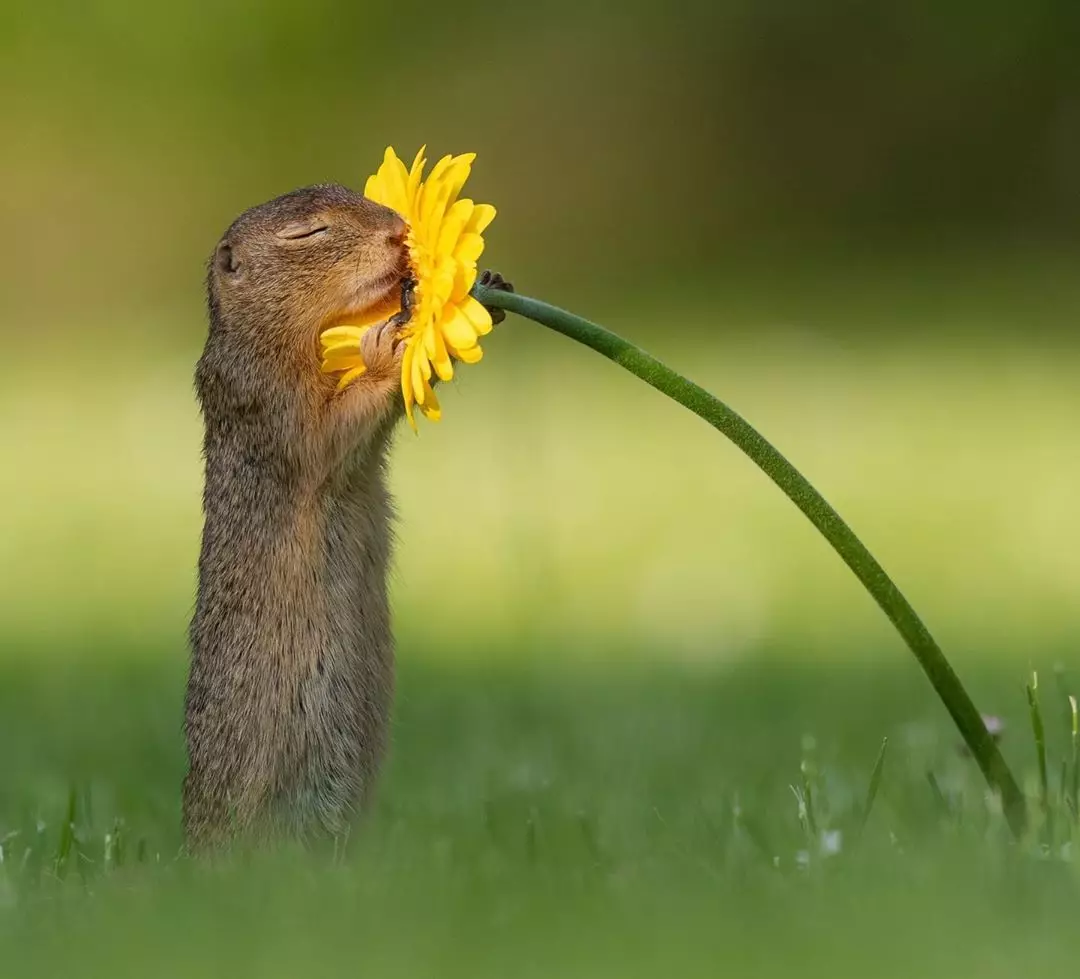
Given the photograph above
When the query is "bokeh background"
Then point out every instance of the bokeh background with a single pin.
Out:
(855, 222)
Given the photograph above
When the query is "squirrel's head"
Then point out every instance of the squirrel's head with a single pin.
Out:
(289, 268)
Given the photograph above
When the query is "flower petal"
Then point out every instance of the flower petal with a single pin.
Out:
(331, 365)
(338, 343)
(477, 314)
(458, 173)
(459, 331)
(430, 405)
(482, 216)
(391, 186)
(349, 376)
(406, 383)
(417, 376)
(434, 189)
(453, 180)
(373, 188)
(438, 171)
(442, 282)
(412, 184)
(339, 334)
(464, 280)
(469, 248)
(469, 355)
(341, 349)
(453, 224)
(441, 358)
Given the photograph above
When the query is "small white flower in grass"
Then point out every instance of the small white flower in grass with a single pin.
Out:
(832, 842)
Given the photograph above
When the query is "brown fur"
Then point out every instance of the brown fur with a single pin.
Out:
(292, 655)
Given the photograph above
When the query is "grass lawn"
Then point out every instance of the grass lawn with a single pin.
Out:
(548, 821)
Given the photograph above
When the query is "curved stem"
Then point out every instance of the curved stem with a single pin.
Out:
(813, 505)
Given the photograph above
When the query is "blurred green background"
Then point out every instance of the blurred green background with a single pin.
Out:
(856, 223)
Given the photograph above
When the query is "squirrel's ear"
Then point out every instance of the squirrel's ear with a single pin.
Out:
(225, 260)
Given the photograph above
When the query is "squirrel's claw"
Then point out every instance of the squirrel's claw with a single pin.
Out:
(492, 280)
(379, 346)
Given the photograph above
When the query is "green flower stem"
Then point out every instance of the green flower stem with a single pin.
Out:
(813, 505)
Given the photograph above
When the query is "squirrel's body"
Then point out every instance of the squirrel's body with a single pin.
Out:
(292, 654)
(291, 684)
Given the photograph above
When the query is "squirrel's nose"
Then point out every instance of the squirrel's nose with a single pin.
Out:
(398, 230)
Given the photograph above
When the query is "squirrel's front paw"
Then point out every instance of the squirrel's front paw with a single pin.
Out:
(381, 348)
(495, 281)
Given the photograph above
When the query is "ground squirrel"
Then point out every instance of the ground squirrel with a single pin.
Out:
(292, 670)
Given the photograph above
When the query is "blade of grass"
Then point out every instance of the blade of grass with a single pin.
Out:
(1039, 730)
(872, 788)
(943, 807)
(801, 812)
(67, 837)
(808, 796)
(114, 846)
(1074, 789)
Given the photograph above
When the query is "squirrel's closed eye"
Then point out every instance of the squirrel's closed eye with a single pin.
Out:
(295, 232)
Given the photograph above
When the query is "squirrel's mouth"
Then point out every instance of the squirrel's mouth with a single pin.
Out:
(389, 283)
(378, 299)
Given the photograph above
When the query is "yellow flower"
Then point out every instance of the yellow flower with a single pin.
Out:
(444, 241)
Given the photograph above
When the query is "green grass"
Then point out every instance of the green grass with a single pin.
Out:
(550, 820)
